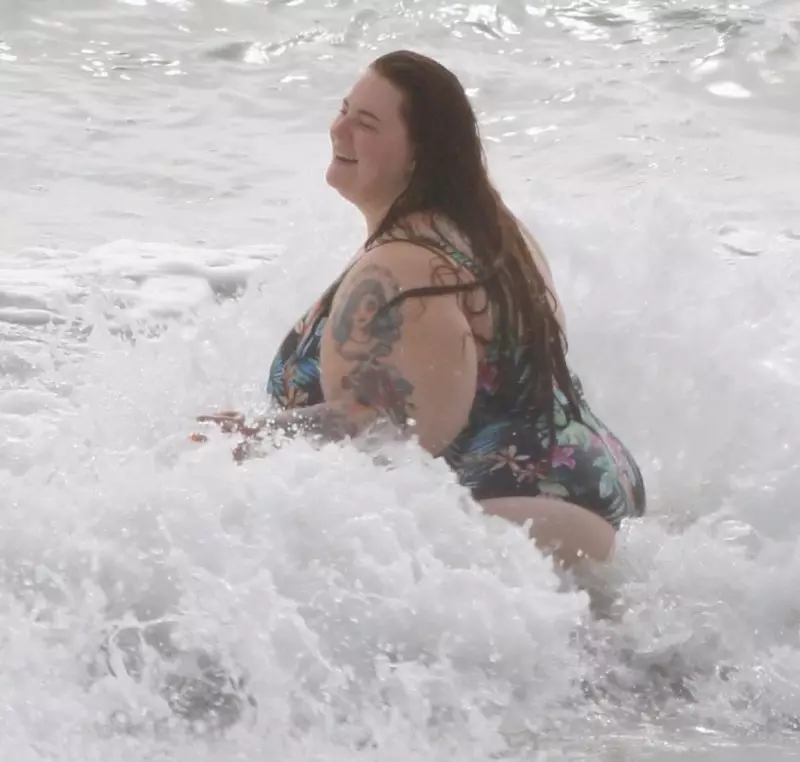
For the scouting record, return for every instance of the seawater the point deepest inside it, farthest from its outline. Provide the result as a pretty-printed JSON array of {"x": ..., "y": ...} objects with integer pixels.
[{"x": 165, "y": 219}]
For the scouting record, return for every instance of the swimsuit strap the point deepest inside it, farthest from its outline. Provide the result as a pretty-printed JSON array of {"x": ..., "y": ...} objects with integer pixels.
[
  {"x": 462, "y": 259},
  {"x": 457, "y": 256}
]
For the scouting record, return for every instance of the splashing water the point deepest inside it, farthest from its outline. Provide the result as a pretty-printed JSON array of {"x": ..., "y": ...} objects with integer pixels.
[{"x": 160, "y": 602}]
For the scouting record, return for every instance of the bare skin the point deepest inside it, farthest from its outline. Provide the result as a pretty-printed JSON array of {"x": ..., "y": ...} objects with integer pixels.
[
  {"x": 573, "y": 534},
  {"x": 415, "y": 365}
]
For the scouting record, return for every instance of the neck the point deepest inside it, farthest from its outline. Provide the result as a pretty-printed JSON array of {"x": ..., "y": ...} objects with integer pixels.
[{"x": 373, "y": 217}]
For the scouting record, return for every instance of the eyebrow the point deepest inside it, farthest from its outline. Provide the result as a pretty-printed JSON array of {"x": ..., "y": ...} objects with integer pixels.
[{"x": 362, "y": 111}]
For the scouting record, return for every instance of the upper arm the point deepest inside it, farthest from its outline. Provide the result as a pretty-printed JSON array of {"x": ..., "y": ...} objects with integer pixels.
[{"x": 416, "y": 360}]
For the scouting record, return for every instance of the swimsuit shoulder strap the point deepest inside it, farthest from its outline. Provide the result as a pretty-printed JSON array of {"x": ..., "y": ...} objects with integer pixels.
[{"x": 467, "y": 262}]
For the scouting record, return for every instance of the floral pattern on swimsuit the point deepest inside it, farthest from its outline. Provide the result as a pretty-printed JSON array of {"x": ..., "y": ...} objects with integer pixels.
[{"x": 504, "y": 450}]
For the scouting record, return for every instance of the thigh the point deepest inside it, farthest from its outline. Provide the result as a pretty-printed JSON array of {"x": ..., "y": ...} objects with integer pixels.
[{"x": 571, "y": 532}]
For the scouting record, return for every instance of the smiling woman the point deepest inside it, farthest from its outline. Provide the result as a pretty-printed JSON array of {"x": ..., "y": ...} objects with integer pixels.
[
  {"x": 372, "y": 158},
  {"x": 447, "y": 323}
]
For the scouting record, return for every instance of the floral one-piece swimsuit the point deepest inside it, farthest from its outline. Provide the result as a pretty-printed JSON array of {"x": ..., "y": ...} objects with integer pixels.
[{"x": 503, "y": 451}]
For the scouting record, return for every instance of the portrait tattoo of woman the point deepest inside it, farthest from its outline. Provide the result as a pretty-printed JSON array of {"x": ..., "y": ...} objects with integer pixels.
[{"x": 365, "y": 332}]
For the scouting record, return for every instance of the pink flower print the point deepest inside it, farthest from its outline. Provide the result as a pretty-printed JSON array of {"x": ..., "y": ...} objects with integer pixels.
[
  {"x": 509, "y": 458},
  {"x": 533, "y": 472},
  {"x": 487, "y": 376},
  {"x": 617, "y": 452},
  {"x": 563, "y": 456}
]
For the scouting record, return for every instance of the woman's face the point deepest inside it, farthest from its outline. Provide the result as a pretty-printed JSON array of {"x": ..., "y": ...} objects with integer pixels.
[
  {"x": 372, "y": 158},
  {"x": 365, "y": 310}
]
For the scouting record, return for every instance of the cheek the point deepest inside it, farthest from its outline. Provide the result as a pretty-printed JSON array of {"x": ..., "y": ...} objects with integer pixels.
[
  {"x": 385, "y": 160},
  {"x": 399, "y": 159},
  {"x": 369, "y": 150}
]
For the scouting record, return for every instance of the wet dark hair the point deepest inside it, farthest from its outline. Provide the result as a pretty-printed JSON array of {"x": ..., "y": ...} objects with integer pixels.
[{"x": 450, "y": 180}]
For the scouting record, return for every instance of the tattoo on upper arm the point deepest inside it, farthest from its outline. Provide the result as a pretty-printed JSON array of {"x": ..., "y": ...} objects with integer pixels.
[{"x": 364, "y": 332}]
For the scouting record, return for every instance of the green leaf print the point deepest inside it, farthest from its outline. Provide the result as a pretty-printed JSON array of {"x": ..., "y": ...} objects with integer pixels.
[
  {"x": 553, "y": 489},
  {"x": 606, "y": 486}
]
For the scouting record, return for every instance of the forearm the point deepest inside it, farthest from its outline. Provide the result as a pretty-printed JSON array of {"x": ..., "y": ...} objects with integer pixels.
[{"x": 329, "y": 421}]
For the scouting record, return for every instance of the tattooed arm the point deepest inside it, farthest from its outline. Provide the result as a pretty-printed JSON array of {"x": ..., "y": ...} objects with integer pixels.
[
  {"x": 413, "y": 365},
  {"x": 331, "y": 421}
]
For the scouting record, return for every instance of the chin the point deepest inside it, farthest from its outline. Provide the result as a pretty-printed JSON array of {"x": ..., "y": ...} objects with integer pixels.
[
  {"x": 333, "y": 176},
  {"x": 339, "y": 184},
  {"x": 330, "y": 175}
]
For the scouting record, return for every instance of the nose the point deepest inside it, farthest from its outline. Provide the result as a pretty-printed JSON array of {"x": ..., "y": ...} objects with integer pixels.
[
  {"x": 339, "y": 127},
  {"x": 336, "y": 126}
]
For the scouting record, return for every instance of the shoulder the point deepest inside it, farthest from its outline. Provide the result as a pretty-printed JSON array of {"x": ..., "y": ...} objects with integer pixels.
[
  {"x": 411, "y": 265},
  {"x": 408, "y": 263},
  {"x": 404, "y": 277}
]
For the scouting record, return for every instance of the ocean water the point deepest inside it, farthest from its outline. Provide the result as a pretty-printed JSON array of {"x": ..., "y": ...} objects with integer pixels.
[{"x": 164, "y": 219}]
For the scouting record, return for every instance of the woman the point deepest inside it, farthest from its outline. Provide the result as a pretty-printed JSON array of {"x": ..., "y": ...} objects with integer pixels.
[{"x": 446, "y": 323}]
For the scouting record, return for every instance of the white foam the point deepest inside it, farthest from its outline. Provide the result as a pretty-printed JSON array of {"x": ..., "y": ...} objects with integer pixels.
[
  {"x": 373, "y": 613},
  {"x": 304, "y": 568}
]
